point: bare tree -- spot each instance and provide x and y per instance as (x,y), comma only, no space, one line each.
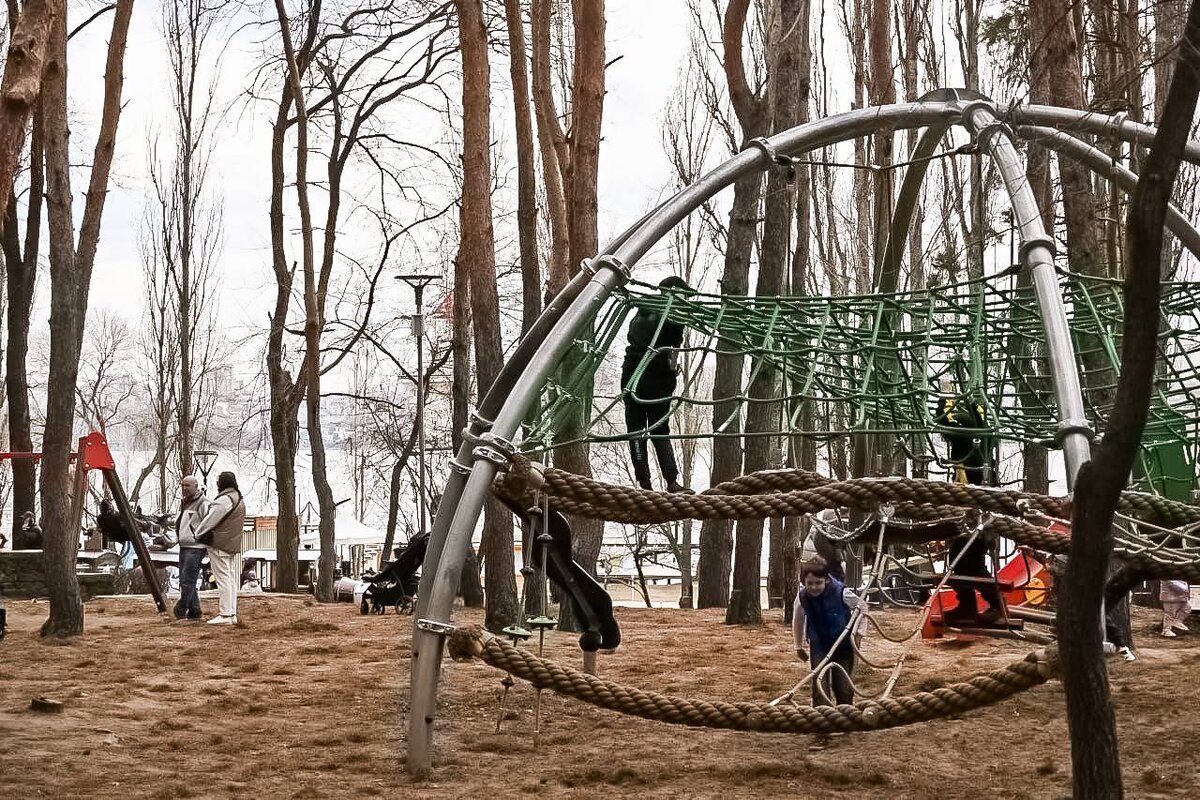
(531,274)
(70,282)
(106,381)
(1095,757)
(23,75)
(477,257)
(186,218)
(753,116)
(350,69)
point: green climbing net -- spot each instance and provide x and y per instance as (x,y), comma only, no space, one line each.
(874,363)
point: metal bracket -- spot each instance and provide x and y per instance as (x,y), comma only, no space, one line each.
(491,454)
(497,443)
(768,149)
(478,421)
(436,627)
(1072,426)
(1037,241)
(592,266)
(460,468)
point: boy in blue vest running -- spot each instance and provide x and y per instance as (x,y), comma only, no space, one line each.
(822,611)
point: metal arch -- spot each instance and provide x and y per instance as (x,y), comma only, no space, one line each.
(906,204)
(520,380)
(1102,164)
(1109,126)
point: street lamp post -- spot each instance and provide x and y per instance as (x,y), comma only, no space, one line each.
(204,460)
(418,284)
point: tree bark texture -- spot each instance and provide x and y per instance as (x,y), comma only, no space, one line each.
(70,281)
(716,536)
(477,256)
(1096,770)
(22,82)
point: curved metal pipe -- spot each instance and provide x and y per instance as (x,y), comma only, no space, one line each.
(1100,163)
(543,348)
(906,205)
(1037,256)
(463,502)
(1111,126)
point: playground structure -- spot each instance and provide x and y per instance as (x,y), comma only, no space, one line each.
(94,454)
(1051,411)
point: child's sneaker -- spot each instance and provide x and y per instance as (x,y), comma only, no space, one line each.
(1168,633)
(1127,654)
(1179,626)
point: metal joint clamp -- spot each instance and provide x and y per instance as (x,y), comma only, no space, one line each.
(762,144)
(436,627)
(592,266)
(1044,240)
(1072,426)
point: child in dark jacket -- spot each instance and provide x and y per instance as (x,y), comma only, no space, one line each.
(652,348)
(823,609)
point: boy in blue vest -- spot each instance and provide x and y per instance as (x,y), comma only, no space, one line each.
(821,612)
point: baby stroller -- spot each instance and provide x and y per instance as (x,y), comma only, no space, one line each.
(396,584)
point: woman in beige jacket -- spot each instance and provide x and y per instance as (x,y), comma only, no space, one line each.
(221,530)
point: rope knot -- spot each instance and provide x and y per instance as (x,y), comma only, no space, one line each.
(465,643)
(1047,661)
(523,481)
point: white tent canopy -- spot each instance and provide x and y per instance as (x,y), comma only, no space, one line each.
(346,531)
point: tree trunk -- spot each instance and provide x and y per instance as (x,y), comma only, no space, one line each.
(1096,770)
(469,585)
(531,277)
(313,323)
(23,76)
(762,418)
(70,281)
(716,539)
(587,112)
(477,257)
(21,279)
(285,394)
(1035,457)
(552,145)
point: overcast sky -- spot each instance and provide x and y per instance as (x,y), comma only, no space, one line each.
(650,37)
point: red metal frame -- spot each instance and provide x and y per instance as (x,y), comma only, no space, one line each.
(95,454)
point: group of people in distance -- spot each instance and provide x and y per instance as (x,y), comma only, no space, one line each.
(212,528)
(824,605)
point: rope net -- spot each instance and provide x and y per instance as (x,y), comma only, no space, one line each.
(877,364)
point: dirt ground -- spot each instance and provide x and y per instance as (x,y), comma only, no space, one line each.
(302,700)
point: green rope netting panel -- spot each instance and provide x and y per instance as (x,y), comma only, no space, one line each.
(877,363)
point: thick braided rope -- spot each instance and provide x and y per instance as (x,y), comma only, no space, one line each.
(783,493)
(977,692)
(573,494)
(1157,564)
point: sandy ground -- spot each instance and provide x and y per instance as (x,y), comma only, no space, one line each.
(303,701)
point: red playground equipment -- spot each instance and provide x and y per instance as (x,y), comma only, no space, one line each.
(93,453)
(1024,583)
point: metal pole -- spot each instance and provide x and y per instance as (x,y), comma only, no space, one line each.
(1101,163)
(419,332)
(418,284)
(1037,256)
